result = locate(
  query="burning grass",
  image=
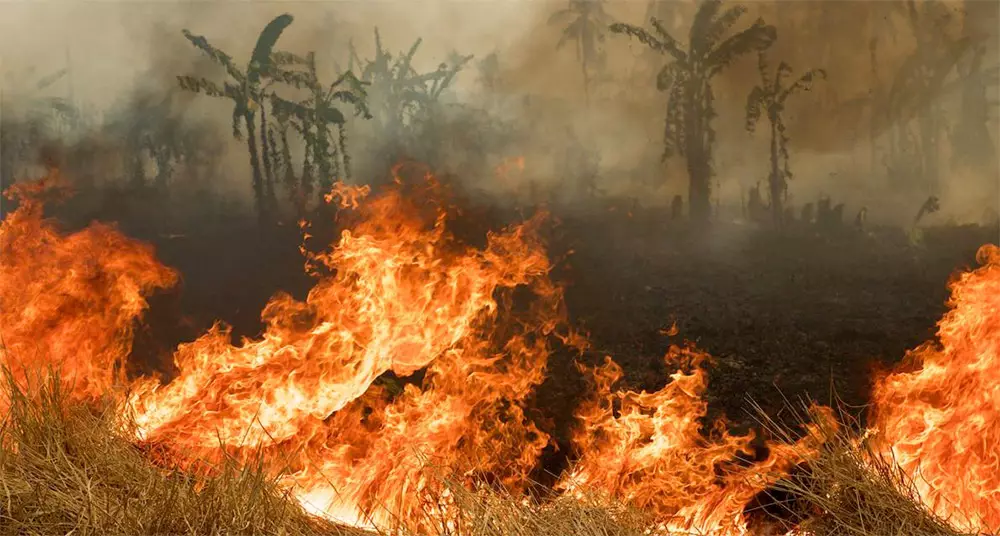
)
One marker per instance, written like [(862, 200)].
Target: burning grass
[(849, 489), (292, 433), (65, 468), (68, 468)]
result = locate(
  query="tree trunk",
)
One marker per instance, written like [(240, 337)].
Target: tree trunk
[(973, 147), (875, 91), (929, 149), (776, 181), (698, 160), (265, 154), (258, 182)]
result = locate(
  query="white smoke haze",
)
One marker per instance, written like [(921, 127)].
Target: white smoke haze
[(115, 49)]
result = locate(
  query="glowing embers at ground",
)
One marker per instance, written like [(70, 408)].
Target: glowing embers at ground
[(400, 295), (69, 302), (941, 422)]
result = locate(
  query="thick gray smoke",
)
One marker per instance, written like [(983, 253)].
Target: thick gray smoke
[(119, 52)]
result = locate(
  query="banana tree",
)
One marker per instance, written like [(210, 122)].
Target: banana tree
[(915, 94), (770, 97), (687, 80), (28, 120), (245, 91), (586, 22), (403, 101), (316, 117), (974, 147)]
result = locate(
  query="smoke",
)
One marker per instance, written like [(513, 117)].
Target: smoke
[(119, 50)]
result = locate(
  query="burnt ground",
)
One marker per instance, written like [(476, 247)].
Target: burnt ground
[(799, 314), (803, 314)]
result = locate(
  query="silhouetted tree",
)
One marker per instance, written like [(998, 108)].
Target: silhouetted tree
[(687, 81), (770, 97), (973, 146), (29, 118), (585, 24), (915, 94), (317, 119), (244, 89), (403, 101)]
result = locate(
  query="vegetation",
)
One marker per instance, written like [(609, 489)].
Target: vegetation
[(687, 80), (245, 90), (585, 24), (318, 121), (769, 97), (28, 119), (914, 104), (67, 468)]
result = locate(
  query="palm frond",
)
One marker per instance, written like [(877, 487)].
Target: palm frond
[(755, 101), (50, 79), (217, 55), (701, 27), (756, 38), (721, 25), (201, 85), (804, 83), (281, 58), (673, 47), (260, 60), (644, 37)]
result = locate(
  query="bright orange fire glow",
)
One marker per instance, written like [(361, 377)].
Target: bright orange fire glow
[(941, 422), (415, 356), (69, 301), (402, 296), (651, 452)]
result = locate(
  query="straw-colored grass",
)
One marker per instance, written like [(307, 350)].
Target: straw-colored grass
[(65, 470), (850, 489), (492, 512)]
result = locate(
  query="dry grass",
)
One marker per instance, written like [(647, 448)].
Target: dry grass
[(852, 490), (496, 513), (65, 470)]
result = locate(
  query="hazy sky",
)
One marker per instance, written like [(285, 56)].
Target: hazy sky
[(114, 45)]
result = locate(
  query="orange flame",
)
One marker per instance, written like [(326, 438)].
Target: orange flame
[(941, 423), (403, 296), (69, 302), (399, 295), (651, 452)]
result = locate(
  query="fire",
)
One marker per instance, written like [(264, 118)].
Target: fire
[(415, 356), (397, 294), (69, 302), (941, 422), (651, 452)]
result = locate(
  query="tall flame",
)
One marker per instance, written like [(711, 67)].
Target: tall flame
[(69, 302), (941, 422), (469, 331), (401, 296), (648, 449)]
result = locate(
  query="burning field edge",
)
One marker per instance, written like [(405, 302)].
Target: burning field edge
[(295, 432)]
